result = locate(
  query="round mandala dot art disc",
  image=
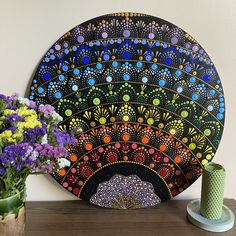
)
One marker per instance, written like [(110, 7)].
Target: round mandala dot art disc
[(148, 100)]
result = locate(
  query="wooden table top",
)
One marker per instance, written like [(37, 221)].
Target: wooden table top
[(78, 218)]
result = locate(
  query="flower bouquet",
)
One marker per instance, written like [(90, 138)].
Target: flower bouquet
[(30, 143)]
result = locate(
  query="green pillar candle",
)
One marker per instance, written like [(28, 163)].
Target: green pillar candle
[(212, 191)]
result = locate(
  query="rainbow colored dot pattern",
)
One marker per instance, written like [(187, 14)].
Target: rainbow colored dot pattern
[(146, 96)]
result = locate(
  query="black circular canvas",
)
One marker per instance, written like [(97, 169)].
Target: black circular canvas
[(148, 100)]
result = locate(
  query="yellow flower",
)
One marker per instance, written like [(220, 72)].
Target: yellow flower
[(11, 140), (8, 112), (30, 123), (20, 126), (6, 134), (24, 111), (17, 135)]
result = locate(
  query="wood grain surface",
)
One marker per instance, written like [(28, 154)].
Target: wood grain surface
[(78, 218)]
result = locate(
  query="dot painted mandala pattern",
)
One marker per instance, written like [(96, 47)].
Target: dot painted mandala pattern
[(123, 192), (148, 100)]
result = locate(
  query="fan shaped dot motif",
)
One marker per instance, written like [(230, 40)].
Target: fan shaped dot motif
[(125, 192), (148, 100)]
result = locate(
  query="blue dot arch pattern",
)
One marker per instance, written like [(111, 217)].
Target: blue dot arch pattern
[(147, 97)]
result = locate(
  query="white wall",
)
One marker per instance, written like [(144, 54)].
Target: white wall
[(29, 27)]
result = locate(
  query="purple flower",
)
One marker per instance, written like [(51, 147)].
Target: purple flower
[(7, 99), (10, 107), (47, 110), (43, 153), (14, 96), (18, 166), (32, 135), (32, 105), (60, 152), (14, 118), (16, 156), (47, 168), (2, 171), (38, 147), (34, 156), (49, 151), (64, 139), (12, 128)]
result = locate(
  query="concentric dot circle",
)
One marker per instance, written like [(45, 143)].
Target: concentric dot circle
[(149, 103), (156, 101), (184, 114), (96, 101)]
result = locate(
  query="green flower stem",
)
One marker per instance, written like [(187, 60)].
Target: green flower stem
[(13, 183)]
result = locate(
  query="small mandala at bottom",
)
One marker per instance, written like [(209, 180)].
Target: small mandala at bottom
[(125, 192)]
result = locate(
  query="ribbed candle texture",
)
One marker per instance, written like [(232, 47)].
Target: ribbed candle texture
[(212, 194)]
